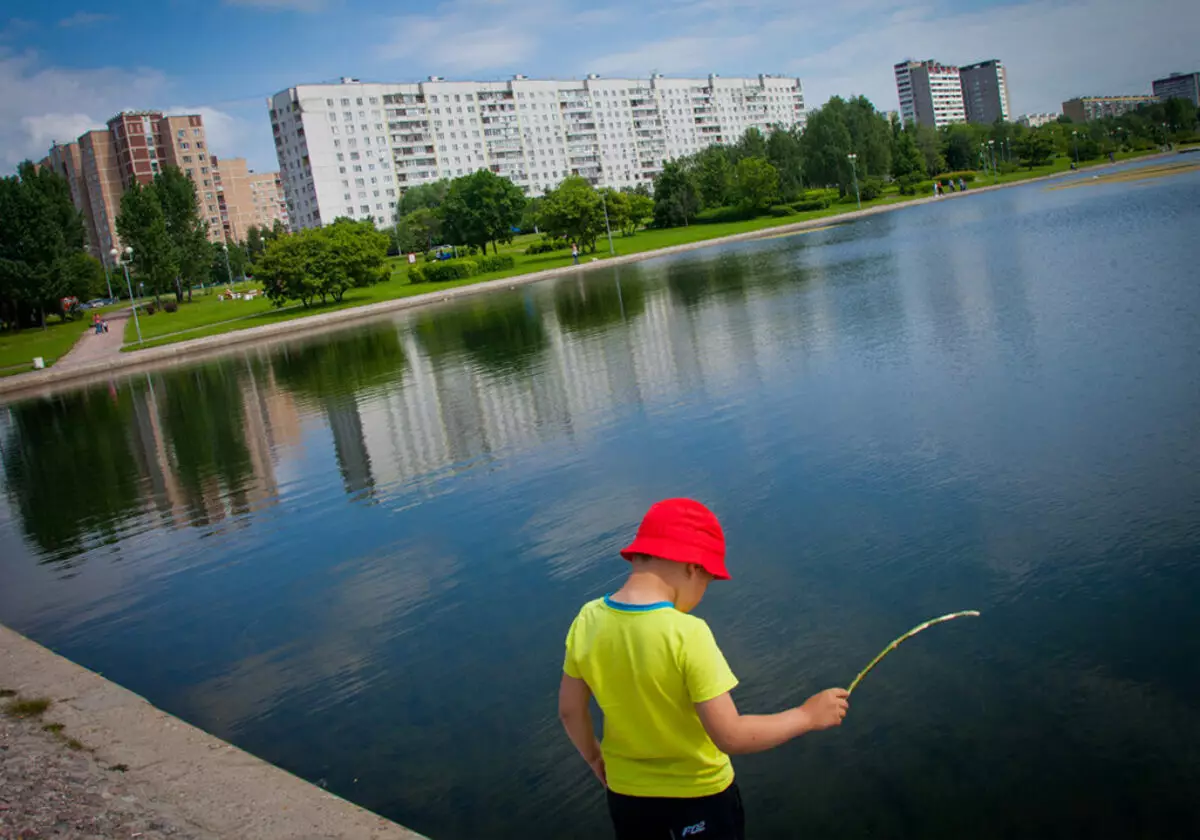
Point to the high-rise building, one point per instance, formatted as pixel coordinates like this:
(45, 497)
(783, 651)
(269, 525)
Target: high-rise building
(351, 149)
(985, 91)
(100, 165)
(247, 198)
(1087, 108)
(1037, 120)
(1178, 86)
(930, 93)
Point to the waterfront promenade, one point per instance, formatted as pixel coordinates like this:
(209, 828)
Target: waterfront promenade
(100, 761)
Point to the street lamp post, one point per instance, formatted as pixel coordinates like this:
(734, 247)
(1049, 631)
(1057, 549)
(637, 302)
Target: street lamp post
(853, 158)
(992, 151)
(125, 260)
(604, 204)
(228, 270)
(107, 279)
(1075, 141)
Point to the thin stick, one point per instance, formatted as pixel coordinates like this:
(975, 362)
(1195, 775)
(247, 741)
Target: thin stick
(905, 637)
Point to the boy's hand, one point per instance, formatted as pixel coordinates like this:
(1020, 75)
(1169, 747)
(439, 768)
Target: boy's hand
(598, 768)
(826, 709)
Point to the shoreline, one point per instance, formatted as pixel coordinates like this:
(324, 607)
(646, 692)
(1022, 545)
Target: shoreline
(41, 383)
(174, 769)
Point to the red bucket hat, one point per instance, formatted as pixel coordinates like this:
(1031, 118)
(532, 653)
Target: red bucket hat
(684, 531)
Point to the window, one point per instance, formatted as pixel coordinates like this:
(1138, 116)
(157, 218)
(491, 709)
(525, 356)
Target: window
(346, 197)
(341, 170)
(329, 103)
(358, 167)
(374, 100)
(366, 208)
(199, 144)
(340, 156)
(358, 101)
(345, 102)
(347, 116)
(185, 145)
(195, 132)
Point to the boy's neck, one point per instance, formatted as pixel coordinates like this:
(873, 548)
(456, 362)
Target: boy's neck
(643, 588)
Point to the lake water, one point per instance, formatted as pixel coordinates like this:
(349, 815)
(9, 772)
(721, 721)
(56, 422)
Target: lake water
(357, 557)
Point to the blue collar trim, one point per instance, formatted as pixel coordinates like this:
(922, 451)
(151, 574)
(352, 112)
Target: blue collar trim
(617, 605)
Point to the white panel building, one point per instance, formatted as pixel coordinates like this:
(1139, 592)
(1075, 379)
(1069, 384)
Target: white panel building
(930, 93)
(352, 148)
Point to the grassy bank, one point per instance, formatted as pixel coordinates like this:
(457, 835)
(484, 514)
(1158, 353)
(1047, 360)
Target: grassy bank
(18, 349)
(207, 315)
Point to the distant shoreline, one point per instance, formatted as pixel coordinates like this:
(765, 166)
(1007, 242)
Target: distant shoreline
(47, 381)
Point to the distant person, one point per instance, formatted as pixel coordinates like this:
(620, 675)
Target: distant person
(96, 323)
(962, 185)
(1112, 158)
(574, 253)
(663, 686)
(104, 323)
(937, 188)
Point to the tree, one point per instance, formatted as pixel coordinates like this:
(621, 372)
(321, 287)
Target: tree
(143, 227)
(423, 197)
(786, 154)
(255, 243)
(641, 211)
(751, 144)
(961, 147)
(323, 262)
(480, 208)
(676, 195)
(1035, 148)
(40, 231)
(756, 183)
(826, 142)
(423, 228)
(186, 228)
(930, 144)
(83, 276)
(573, 210)
(714, 176)
(870, 137)
(907, 160)
(618, 207)
(220, 274)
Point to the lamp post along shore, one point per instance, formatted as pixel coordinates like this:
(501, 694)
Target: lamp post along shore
(125, 259)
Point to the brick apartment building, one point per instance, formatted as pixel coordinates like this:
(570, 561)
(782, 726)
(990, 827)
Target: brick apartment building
(101, 164)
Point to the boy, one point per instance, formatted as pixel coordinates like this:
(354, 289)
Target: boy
(663, 686)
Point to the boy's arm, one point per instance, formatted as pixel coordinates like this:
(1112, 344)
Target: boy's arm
(737, 734)
(576, 715)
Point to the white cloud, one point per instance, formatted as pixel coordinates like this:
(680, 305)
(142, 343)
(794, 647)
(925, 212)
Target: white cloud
(230, 135)
(690, 54)
(281, 5)
(37, 103)
(85, 19)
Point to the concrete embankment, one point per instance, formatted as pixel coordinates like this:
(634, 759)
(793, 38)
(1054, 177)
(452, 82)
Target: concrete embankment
(199, 784)
(186, 352)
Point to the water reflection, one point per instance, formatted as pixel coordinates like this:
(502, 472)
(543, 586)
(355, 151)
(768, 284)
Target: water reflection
(355, 555)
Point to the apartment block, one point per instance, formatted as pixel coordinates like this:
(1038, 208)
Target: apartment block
(352, 148)
(1038, 120)
(100, 165)
(1178, 86)
(246, 198)
(930, 93)
(1088, 108)
(985, 91)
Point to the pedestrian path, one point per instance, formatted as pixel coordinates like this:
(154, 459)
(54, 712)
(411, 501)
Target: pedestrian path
(97, 348)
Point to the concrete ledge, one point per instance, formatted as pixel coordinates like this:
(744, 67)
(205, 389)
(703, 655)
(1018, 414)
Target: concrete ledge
(46, 381)
(215, 786)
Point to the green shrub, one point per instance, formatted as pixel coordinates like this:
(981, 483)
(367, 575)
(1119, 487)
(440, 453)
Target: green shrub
(441, 271)
(809, 204)
(416, 274)
(967, 176)
(499, 262)
(170, 306)
(871, 189)
(909, 183)
(149, 308)
(780, 210)
(546, 246)
(720, 215)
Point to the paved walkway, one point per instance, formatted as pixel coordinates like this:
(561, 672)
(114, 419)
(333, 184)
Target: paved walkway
(97, 348)
(99, 761)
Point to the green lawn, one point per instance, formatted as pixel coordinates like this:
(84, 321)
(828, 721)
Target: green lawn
(17, 349)
(207, 315)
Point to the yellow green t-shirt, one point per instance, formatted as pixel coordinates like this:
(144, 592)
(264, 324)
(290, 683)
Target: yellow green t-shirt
(647, 667)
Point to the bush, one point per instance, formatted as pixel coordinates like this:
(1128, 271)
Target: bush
(496, 263)
(546, 246)
(170, 306)
(149, 308)
(871, 188)
(440, 272)
(780, 210)
(809, 204)
(416, 274)
(967, 176)
(909, 183)
(719, 215)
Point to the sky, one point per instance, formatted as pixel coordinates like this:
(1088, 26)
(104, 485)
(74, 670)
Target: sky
(66, 68)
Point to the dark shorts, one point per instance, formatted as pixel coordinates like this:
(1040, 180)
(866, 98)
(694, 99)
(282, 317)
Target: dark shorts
(716, 817)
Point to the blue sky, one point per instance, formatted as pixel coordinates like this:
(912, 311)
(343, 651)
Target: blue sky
(67, 68)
